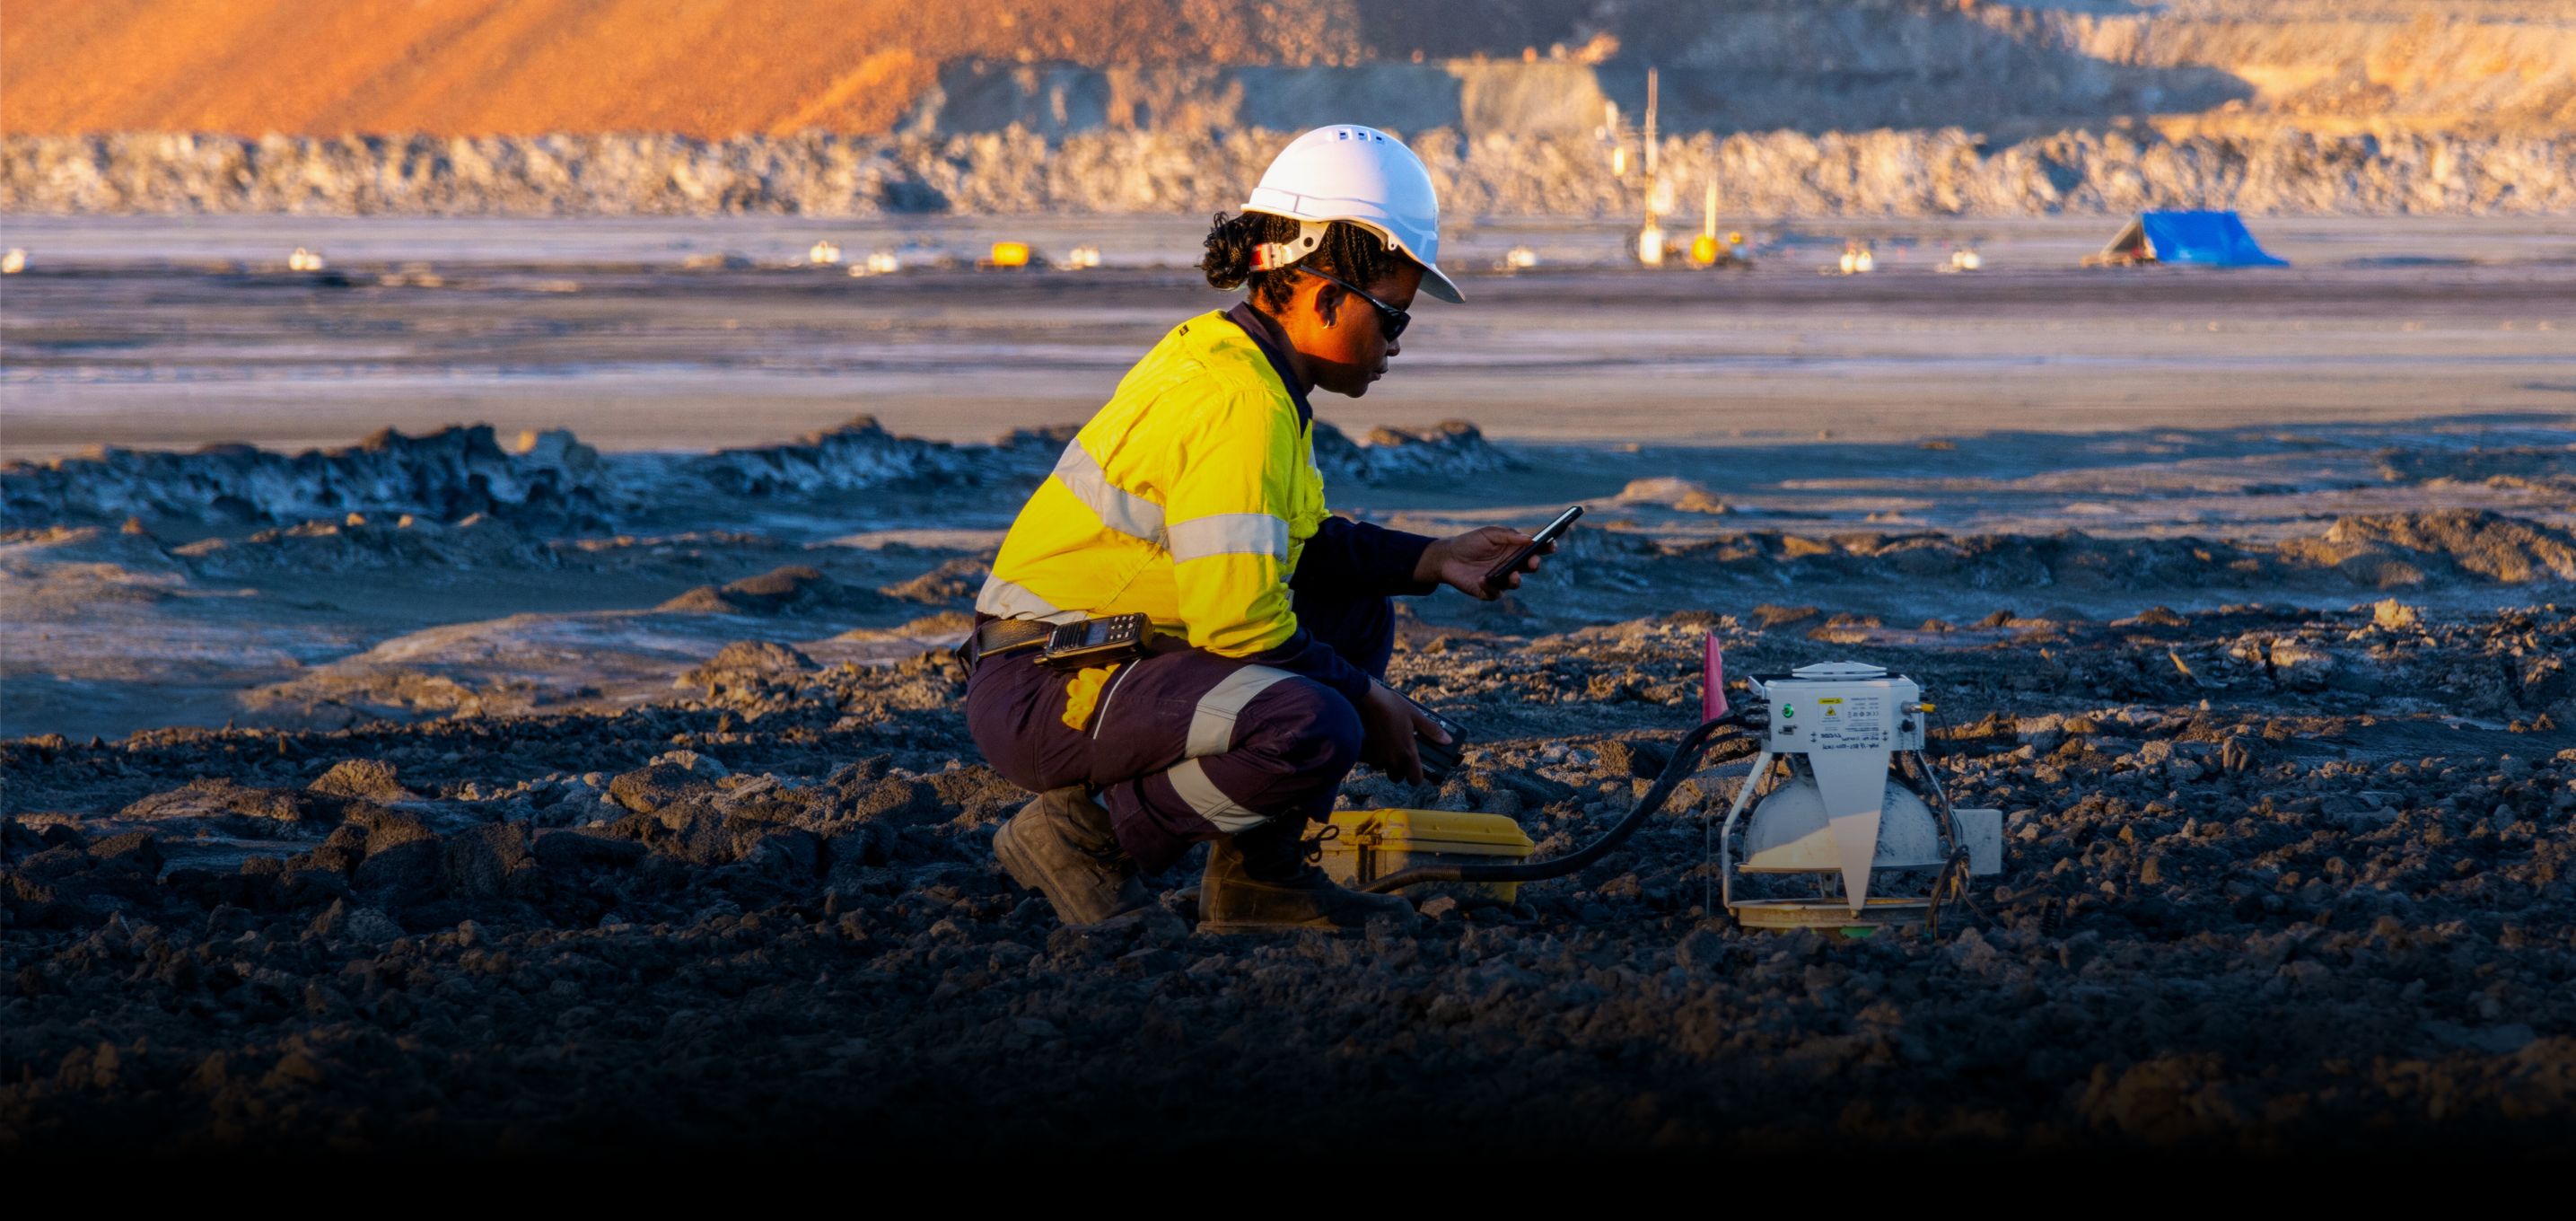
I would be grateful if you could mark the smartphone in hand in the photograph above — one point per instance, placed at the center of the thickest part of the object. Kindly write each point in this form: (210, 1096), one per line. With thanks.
(1555, 530)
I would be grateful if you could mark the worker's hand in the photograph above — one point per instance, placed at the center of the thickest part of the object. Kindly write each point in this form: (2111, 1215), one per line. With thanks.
(1461, 561)
(1388, 723)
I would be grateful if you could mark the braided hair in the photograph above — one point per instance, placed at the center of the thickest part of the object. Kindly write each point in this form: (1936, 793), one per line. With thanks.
(1348, 252)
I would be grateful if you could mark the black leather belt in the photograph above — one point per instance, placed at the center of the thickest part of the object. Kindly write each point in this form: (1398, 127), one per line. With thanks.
(997, 637)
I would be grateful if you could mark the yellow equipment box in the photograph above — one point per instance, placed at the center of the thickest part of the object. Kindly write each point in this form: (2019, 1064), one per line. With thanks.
(1362, 846)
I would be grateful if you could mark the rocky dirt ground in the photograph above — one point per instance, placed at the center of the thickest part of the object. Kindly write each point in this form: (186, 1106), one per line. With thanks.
(2281, 880)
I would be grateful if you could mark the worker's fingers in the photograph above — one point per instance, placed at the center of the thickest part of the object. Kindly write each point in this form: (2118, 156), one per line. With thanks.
(1483, 548)
(1408, 762)
(1537, 559)
(1399, 757)
(1391, 723)
(1530, 563)
(1490, 543)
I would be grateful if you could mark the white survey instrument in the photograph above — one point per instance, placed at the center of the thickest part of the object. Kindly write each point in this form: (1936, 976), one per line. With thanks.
(1848, 799)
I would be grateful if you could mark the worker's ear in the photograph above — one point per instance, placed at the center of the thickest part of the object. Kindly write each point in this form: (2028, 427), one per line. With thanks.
(1328, 301)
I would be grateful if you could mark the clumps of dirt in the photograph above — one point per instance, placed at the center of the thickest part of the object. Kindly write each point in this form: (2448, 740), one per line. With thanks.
(1672, 492)
(447, 475)
(59, 876)
(2413, 548)
(382, 501)
(348, 693)
(861, 454)
(2535, 468)
(71, 574)
(2388, 551)
(222, 799)
(2508, 669)
(2240, 914)
(1769, 616)
(1450, 449)
(915, 701)
(361, 541)
(953, 582)
(362, 780)
(851, 456)
(748, 668)
(789, 590)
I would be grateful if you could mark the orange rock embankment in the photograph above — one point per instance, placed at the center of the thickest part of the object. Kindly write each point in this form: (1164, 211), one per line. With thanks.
(705, 68)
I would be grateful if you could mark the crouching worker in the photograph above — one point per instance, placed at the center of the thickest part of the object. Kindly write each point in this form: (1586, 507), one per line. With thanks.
(1192, 498)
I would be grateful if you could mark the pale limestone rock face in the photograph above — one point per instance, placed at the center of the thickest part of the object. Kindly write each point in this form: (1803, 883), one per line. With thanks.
(1920, 172)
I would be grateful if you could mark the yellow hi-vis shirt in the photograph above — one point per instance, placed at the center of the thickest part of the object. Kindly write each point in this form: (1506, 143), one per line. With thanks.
(1188, 499)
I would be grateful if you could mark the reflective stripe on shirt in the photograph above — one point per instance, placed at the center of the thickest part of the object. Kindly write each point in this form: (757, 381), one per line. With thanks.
(1117, 508)
(1004, 600)
(1229, 534)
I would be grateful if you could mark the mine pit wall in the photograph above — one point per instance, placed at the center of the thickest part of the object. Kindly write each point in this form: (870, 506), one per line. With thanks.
(2003, 89)
(1893, 173)
(2012, 73)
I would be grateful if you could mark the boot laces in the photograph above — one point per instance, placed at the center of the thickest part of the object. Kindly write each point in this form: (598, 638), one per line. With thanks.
(1309, 856)
(1273, 854)
(1312, 847)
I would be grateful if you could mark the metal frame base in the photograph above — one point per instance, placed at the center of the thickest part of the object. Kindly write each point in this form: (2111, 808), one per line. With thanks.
(1877, 912)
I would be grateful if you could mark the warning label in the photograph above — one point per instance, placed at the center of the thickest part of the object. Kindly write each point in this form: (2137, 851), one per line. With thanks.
(1852, 723)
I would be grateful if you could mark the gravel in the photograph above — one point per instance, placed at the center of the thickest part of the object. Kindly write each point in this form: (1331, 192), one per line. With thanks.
(2243, 914)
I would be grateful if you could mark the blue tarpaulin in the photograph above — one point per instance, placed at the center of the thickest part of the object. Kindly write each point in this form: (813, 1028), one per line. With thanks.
(2204, 239)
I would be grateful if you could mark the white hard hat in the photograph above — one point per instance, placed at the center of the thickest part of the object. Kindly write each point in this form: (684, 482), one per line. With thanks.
(1360, 175)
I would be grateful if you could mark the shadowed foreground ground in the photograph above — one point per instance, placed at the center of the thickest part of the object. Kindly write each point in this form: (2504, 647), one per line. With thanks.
(2244, 927)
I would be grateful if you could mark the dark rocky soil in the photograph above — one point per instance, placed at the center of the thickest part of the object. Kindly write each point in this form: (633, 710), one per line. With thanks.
(2280, 881)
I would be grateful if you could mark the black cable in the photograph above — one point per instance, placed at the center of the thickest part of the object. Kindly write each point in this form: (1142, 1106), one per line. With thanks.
(1685, 761)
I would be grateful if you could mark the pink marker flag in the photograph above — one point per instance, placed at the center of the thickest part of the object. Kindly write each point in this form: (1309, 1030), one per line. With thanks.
(1712, 692)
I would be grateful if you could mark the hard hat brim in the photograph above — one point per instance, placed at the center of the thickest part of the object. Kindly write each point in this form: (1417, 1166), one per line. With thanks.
(1437, 283)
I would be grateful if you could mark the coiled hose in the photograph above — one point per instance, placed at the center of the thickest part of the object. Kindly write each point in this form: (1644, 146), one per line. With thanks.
(1685, 760)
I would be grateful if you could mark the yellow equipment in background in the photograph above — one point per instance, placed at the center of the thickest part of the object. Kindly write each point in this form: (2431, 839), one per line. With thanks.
(1365, 845)
(1009, 254)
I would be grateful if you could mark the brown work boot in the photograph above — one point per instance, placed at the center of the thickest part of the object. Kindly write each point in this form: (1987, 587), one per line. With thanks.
(1060, 846)
(1265, 880)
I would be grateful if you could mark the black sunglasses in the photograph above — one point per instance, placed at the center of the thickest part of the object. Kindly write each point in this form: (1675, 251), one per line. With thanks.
(1390, 320)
